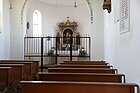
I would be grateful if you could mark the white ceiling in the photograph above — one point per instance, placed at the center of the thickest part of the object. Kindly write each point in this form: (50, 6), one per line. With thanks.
(67, 3)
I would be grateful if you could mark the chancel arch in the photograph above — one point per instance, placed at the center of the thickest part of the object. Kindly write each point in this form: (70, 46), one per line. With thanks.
(55, 24)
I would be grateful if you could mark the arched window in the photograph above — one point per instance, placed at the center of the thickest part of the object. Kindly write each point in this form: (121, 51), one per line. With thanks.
(37, 23)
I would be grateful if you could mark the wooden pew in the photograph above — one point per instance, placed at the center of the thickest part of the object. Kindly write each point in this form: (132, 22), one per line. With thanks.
(83, 66)
(84, 63)
(16, 71)
(35, 66)
(16, 74)
(27, 72)
(76, 87)
(83, 70)
(5, 77)
(94, 61)
(83, 77)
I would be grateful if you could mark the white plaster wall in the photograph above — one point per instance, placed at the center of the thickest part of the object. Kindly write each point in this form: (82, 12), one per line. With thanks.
(16, 31)
(1, 29)
(109, 36)
(51, 15)
(5, 30)
(97, 33)
(1, 7)
(123, 50)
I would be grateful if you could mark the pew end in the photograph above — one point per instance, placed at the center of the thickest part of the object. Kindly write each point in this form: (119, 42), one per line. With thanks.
(5, 77)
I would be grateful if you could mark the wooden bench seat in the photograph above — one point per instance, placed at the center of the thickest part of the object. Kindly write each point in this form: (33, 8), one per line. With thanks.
(83, 77)
(5, 77)
(83, 66)
(83, 70)
(76, 87)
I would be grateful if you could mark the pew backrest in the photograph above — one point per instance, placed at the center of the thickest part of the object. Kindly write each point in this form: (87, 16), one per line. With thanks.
(85, 63)
(81, 77)
(83, 66)
(35, 64)
(83, 70)
(76, 87)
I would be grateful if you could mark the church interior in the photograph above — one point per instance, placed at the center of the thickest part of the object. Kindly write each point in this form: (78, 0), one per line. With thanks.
(73, 46)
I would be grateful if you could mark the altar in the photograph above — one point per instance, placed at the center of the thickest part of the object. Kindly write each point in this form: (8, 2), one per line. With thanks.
(68, 34)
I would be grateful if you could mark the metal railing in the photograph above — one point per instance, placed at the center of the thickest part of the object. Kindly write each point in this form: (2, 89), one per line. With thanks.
(55, 47)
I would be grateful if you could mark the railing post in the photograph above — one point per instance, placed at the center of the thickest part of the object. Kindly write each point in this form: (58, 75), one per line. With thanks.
(24, 47)
(71, 48)
(56, 51)
(41, 54)
(89, 47)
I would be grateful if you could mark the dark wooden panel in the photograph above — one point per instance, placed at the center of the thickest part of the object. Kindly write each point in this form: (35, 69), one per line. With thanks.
(83, 70)
(5, 78)
(16, 71)
(85, 77)
(35, 63)
(35, 66)
(27, 68)
(84, 62)
(83, 66)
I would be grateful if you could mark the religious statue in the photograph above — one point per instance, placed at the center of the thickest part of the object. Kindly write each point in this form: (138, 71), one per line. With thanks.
(58, 39)
(67, 36)
(78, 39)
(67, 39)
(107, 5)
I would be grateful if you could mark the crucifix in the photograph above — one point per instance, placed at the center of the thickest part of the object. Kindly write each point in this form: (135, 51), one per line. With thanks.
(68, 22)
(68, 18)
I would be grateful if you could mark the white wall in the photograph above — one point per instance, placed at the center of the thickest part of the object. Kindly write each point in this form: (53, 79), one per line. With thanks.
(53, 14)
(16, 29)
(1, 34)
(123, 50)
(97, 33)
(5, 30)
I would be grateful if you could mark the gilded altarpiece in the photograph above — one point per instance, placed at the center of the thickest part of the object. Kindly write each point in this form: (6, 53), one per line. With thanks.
(68, 31)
